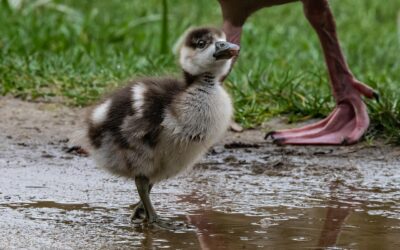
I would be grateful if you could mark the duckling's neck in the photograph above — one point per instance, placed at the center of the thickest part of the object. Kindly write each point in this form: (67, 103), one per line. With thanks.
(206, 78)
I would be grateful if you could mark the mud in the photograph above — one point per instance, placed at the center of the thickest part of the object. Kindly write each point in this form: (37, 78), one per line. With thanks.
(246, 194)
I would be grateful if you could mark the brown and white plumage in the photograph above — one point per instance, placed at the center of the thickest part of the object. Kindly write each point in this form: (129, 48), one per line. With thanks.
(154, 128)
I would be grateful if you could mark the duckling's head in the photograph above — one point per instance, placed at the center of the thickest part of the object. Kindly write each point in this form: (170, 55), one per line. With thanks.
(205, 50)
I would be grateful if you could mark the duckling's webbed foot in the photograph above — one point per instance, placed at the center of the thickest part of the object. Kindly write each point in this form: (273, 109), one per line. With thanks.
(170, 225)
(139, 213)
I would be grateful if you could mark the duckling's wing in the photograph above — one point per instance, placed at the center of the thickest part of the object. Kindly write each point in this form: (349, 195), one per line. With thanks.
(150, 99)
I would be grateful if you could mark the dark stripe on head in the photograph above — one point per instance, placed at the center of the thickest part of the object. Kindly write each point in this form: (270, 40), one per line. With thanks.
(203, 33)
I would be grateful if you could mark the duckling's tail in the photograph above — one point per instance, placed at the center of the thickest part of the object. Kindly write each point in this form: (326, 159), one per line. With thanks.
(79, 143)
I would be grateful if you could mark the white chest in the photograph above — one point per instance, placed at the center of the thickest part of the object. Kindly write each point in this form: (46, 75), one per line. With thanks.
(201, 114)
(199, 121)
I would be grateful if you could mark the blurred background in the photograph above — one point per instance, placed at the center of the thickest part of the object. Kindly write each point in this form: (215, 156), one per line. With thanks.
(72, 51)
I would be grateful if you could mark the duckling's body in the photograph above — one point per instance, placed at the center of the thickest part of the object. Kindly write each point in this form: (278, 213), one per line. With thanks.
(154, 128)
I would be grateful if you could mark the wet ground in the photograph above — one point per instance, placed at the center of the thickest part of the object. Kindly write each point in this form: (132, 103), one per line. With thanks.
(244, 195)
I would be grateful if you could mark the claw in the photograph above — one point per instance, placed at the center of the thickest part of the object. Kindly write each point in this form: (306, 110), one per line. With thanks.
(279, 141)
(377, 96)
(138, 214)
(77, 150)
(348, 142)
(269, 134)
(168, 225)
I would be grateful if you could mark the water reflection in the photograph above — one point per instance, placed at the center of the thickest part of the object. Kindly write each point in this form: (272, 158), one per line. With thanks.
(316, 229)
(342, 224)
(336, 215)
(338, 224)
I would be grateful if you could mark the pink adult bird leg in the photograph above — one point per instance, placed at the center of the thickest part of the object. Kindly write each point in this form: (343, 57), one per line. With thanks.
(349, 120)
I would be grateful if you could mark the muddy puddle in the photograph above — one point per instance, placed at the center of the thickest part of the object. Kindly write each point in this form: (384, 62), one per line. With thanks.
(247, 195)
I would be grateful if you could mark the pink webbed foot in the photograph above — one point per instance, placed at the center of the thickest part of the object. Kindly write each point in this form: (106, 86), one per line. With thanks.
(345, 125)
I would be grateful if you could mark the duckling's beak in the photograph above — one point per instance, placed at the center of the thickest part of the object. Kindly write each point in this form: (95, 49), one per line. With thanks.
(225, 50)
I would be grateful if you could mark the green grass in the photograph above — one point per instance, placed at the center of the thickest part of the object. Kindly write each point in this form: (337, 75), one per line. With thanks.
(79, 49)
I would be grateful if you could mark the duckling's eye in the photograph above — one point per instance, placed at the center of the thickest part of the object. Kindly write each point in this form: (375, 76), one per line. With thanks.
(201, 44)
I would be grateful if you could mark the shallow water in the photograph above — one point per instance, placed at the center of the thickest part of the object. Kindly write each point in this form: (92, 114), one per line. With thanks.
(263, 197)
(282, 228)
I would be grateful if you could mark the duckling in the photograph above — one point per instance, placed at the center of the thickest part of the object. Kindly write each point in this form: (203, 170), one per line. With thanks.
(155, 128)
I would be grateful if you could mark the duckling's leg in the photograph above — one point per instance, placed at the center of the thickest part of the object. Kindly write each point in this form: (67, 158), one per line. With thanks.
(143, 187)
(139, 214)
